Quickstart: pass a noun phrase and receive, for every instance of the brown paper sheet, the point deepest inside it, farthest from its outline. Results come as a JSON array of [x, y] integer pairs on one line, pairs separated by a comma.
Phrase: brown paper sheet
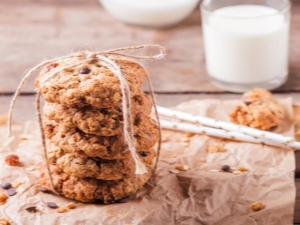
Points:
[[197, 196]]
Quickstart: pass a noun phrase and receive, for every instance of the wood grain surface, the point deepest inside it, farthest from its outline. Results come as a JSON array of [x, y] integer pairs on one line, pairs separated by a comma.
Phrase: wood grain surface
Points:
[[38, 30]]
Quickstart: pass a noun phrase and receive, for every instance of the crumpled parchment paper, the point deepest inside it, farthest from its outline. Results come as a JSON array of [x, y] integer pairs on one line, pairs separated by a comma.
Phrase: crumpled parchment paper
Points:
[[196, 196]]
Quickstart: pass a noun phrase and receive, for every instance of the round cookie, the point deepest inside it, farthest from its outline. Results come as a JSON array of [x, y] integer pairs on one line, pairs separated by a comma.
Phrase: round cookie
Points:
[[94, 167], [88, 84], [91, 190], [102, 122], [260, 110], [114, 147]]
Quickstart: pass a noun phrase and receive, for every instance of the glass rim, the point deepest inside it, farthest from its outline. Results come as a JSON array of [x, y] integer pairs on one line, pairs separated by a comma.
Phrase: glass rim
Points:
[[284, 9]]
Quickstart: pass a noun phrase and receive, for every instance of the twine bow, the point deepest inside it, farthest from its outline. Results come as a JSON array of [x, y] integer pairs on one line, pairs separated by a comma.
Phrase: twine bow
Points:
[[106, 60]]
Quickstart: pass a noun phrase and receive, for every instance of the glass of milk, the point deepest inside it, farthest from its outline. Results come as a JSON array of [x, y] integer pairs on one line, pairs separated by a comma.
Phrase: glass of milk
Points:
[[246, 42]]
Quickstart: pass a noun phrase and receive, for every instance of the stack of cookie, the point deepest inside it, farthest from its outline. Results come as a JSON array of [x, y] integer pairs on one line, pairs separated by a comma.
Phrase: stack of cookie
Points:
[[83, 124]]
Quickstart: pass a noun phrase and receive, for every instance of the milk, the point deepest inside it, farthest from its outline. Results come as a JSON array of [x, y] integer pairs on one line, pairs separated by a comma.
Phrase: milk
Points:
[[246, 44], [154, 13]]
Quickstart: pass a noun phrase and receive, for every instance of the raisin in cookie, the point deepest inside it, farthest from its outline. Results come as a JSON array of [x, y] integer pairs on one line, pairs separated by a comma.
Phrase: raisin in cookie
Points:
[[91, 190], [88, 84], [260, 110], [95, 167], [114, 147], [102, 122]]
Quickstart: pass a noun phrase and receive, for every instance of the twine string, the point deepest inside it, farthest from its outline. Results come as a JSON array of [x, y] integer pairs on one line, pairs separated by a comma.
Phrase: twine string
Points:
[[126, 100]]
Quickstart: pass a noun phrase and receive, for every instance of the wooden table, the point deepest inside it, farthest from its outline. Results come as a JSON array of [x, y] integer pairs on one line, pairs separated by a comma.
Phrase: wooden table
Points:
[[33, 30]]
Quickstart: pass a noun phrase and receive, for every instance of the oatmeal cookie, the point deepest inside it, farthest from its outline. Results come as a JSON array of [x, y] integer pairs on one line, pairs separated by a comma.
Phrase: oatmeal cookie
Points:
[[257, 95], [102, 122], [114, 147], [95, 167], [91, 190], [260, 111], [89, 83]]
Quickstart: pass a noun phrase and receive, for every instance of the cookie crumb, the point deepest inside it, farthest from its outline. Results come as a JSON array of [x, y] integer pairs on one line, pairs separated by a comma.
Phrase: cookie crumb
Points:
[[71, 205], [3, 198], [216, 147], [62, 210], [181, 167], [4, 221], [189, 135], [12, 160], [257, 206], [242, 169]]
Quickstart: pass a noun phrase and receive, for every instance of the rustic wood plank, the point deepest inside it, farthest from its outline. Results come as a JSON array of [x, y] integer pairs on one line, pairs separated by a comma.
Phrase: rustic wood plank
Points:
[[33, 31]]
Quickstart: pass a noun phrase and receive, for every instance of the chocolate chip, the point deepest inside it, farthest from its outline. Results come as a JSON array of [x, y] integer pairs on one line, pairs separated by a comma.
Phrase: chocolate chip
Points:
[[42, 189], [225, 168], [6, 185], [84, 71], [31, 209], [247, 102], [110, 199], [52, 205], [143, 154], [123, 200], [11, 192]]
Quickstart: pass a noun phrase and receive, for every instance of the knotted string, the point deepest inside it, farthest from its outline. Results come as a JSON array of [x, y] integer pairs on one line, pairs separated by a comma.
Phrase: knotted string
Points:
[[126, 99]]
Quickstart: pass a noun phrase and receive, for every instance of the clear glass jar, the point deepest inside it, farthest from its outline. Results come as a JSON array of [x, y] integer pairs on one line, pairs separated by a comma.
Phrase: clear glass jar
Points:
[[246, 43]]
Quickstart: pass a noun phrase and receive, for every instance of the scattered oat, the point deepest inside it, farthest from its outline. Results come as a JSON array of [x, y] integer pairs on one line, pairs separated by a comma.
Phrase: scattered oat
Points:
[[236, 172], [174, 171], [17, 184], [25, 137], [242, 169], [181, 167], [164, 139], [4, 221], [189, 134], [257, 206], [174, 156], [185, 144], [62, 210], [31, 168], [185, 139], [71, 205], [214, 170], [216, 147], [12, 160], [3, 198], [31, 209], [203, 160]]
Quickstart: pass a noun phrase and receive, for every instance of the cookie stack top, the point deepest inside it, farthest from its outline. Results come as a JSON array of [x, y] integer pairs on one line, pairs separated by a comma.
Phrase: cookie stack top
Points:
[[83, 125]]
